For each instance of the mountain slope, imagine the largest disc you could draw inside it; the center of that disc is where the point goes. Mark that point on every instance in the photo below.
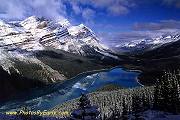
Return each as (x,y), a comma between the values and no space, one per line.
(154,62)
(44,51)
(165,51)
(21,39)
(38,33)
(147,44)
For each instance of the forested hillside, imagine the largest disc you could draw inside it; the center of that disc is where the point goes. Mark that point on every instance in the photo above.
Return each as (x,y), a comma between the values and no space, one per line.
(126,103)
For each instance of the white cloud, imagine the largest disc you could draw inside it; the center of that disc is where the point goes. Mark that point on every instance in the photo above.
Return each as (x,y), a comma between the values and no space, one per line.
(113,39)
(118,10)
(48,8)
(163,24)
(11,10)
(175,3)
(76,8)
(113,7)
(88,13)
(141,31)
(19,9)
(88,9)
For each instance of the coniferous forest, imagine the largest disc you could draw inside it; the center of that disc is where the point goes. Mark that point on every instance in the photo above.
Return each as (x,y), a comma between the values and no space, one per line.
(89,60)
(132,103)
(122,104)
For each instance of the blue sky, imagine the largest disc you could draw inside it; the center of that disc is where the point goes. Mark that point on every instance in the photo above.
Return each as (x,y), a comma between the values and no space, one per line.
(112,20)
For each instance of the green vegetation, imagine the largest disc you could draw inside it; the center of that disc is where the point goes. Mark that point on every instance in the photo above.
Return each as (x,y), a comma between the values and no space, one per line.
(109,100)
(37,73)
(109,87)
(121,103)
(70,64)
(167,92)
(85,110)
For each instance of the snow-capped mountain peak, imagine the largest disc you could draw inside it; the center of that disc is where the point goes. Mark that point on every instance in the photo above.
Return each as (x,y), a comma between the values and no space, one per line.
(2,23)
(64,22)
(75,30)
(149,43)
(36,33)
(31,22)
(20,41)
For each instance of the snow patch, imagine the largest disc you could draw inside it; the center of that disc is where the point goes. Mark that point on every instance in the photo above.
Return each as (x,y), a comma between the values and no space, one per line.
(79,86)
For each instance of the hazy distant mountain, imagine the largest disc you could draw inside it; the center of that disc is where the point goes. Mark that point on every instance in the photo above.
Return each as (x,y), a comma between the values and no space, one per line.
(147,44)
(156,59)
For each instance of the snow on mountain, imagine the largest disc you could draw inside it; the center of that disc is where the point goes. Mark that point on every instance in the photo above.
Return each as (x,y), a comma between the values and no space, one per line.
(30,23)
(64,23)
(36,33)
(10,59)
(5,62)
(6,28)
(149,43)
(20,38)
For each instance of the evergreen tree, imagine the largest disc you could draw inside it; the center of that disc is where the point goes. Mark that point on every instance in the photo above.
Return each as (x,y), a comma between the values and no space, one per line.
(137,107)
(167,92)
(175,100)
(85,111)
(116,113)
(158,95)
(84,102)
(145,103)
(124,111)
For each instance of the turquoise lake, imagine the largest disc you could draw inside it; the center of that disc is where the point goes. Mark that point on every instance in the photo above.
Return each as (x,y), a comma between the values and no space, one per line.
(49,97)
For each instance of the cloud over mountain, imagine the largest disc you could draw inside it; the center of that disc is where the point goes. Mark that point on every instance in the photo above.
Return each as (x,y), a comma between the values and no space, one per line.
(113,7)
(19,9)
(109,16)
(175,3)
(164,24)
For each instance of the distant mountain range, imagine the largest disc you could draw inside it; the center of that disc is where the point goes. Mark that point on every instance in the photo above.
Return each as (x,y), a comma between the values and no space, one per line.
(147,44)
(153,56)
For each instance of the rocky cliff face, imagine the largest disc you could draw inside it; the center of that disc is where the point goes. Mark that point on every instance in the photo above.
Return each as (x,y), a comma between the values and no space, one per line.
(20,39)
(36,34)
(48,51)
